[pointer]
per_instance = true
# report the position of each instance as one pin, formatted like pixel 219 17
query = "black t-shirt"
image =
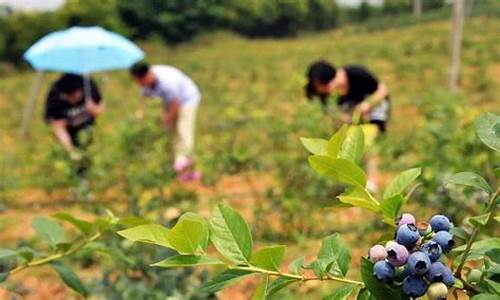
pixel 361 85
pixel 76 116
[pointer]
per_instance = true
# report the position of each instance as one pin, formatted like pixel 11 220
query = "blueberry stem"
pixel 298 277
pixel 56 256
pixel 475 232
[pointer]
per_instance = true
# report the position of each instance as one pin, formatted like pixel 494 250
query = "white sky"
pixel 33 4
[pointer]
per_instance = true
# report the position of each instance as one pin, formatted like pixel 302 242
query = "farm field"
pixel 252 115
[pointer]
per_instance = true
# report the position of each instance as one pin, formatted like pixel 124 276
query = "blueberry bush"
pixel 416 262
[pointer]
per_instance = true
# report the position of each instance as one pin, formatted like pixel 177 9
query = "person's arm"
pixel 62 134
pixel 95 108
pixel 171 112
pixel 375 99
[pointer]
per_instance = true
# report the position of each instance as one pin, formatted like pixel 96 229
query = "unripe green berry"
pixel 474 276
pixel 437 291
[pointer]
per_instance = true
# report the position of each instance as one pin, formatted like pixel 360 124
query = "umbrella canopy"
pixel 83 50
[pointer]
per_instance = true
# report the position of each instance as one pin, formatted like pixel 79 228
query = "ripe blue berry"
pixel 433 250
pixel 377 253
pixel 407 235
pixel 445 240
pixel 405 219
pixel 440 223
pixel 383 271
pixel 414 286
pixel 440 273
pixel 419 263
pixel 397 254
pixel 448 277
pixel 437 291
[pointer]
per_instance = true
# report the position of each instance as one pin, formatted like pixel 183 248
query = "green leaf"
pixel 279 284
pixel 359 197
pixel 399 184
pixel 133 221
pixel 365 294
pixel 485 296
pixel 84 226
pixel 189 235
pixel 479 248
pixel 342 293
pixel 333 257
pixel 487 128
pixel 377 288
pixel 49 230
pixel 4 276
pixel 231 234
pixel 315 146
pixel 223 279
pixel 494 255
pixel 261 291
pixel 70 278
pixel 268 258
pixel 391 207
pixel 493 286
pixel 336 141
pixel 7 253
pixel 26 253
pixel 470 179
pixel 187 261
pixel 354 145
pixel 342 170
pixel 479 221
pixel 115 254
pixel 148 233
pixel 459 233
pixel 296 265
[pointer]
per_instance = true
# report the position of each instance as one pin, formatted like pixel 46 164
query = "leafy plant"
pixel 336 158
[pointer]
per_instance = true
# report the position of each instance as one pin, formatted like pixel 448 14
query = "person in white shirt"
pixel 180 97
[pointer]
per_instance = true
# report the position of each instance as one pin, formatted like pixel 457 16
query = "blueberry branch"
pixel 298 277
pixel 56 256
pixel 489 209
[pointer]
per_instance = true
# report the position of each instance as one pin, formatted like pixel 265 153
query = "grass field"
pixel 252 114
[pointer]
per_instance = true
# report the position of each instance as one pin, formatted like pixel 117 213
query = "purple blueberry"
pixel 445 240
pixel 448 277
pixel 405 219
pixel 397 254
pixel 438 272
pixel 437 291
pixel 384 271
pixel 433 250
pixel 414 286
pixel 407 235
pixel 419 263
pixel 424 228
pixel 440 223
pixel 377 253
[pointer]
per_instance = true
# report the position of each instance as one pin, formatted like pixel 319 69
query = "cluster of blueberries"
pixel 412 260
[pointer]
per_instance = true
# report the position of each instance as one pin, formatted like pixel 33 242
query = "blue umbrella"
pixel 83 50
pixel 78 50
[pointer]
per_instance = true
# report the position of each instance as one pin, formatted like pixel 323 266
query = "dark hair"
pixel 139 69
pixel 318 72
pixel 69 83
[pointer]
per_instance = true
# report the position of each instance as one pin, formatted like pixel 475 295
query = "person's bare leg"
pixel 372 172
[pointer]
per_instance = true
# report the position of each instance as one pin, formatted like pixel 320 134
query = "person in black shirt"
pixel 360 94
pixel 69 113
pixel 359 91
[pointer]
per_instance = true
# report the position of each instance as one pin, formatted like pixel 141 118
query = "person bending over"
pixel 70 115
pixel 360 95
pixel 180 97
